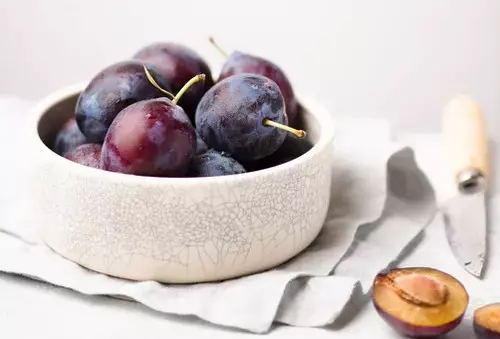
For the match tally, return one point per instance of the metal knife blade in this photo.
(468, 242)
(465, 219)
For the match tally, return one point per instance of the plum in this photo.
(419, 301)
(213, 163)
(487, 321)
(177, 64)
(239, 62)
(243, 116)
(201, 146)
(110, 91)
(291, 149)
(68, 138)
(151, 138)
(87, 154)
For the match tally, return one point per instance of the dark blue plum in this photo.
(110, 91)
(212, 164)
(177, 64)
(230, 117)
(68, 138)
(238, 62)
(150, 138)
(201, 146)
(291, 149)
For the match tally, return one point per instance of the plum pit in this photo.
(419, 289)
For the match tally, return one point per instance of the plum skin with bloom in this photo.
(177, 64)
(213, 163)
(230, 117)
(151, 138)
(68, 138)
(239, 62)
(109, 92)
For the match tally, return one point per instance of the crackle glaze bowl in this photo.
(176, 230)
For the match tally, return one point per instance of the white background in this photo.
(384, 58)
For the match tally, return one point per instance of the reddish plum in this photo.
(87, 155)
(151, 138)
(177, 64)
(111, 90)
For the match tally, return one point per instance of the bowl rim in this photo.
(324, 119)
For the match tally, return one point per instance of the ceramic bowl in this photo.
(176, 230)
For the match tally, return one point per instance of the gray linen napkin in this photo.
(376, 185)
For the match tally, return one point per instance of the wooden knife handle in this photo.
(465, 137)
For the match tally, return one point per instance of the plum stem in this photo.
(195, 79)
(155, 84)
(217, 47)
(299, 133)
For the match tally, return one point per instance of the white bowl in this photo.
(177, 230)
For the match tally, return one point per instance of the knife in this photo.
(466, 144)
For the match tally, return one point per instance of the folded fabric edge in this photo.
(409, 246)
(315, 298)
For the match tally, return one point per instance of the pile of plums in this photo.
(424, 302)
(160, 113)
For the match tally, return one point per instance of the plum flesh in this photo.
(487, 322)
(419, 302)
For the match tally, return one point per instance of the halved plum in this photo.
(419, 302)
(487, 321)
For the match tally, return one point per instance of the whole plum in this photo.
(238, 62)
(110, 91)
(243, 116)
(213, 163)
(87, 155)
(201, 146)
(68, 138)
(291, 149)
(151, 138)
(177, 64)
